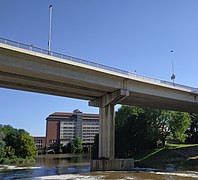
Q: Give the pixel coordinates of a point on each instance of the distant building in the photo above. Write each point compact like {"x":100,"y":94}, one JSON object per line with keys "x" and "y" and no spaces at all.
{"x":40,"y":142}
{"x":62,"y":127}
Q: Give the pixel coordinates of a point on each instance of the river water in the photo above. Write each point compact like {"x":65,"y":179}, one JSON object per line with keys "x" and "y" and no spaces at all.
{"x":77,"y":167}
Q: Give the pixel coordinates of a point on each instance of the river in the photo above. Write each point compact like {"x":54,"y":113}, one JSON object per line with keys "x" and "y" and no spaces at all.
{"x":77,"y":167}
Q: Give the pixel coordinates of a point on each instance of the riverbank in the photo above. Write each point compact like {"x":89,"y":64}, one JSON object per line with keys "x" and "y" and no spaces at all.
{"x":17,"y":162}
{"x":65,"y":166}
{"x":173,"y":157}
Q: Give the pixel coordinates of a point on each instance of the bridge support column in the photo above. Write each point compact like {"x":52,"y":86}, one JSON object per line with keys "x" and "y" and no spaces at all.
{"x":106,"y":159}
{"x":107,"y":132}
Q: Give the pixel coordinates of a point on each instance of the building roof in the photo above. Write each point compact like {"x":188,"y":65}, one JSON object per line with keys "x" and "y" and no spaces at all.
{"x":70,"y":114}
{"x":67,"y":114}
{"x":61,"y":114}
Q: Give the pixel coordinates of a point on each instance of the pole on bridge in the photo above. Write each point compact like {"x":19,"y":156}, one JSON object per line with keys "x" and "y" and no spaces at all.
{"x":173,"y":75}
{"x":50,"y":28}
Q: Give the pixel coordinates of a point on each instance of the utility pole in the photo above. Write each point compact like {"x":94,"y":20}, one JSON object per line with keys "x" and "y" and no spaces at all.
{"x":50,"y":28}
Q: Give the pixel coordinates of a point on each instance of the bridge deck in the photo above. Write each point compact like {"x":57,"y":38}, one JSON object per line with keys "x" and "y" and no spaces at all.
{"x":29,"y":68}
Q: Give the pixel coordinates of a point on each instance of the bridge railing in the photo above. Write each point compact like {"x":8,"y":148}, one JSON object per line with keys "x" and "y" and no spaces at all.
{"x":90,"y":63}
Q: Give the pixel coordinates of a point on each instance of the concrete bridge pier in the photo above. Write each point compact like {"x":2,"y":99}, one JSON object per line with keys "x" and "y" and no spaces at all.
{"x":106,"y":159}
{"x":107,"y":132}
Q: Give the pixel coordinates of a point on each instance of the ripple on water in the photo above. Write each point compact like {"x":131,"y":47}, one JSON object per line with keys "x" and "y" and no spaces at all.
{"x":70,"y":176}
{"x":82,"y":172}
{"x":190,"y":174}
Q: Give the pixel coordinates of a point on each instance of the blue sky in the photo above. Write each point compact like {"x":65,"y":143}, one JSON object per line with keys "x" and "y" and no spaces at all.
{"x":134,"y":35}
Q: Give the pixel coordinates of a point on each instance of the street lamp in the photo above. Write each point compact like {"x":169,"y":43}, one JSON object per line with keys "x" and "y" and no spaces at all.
{"x":50,"y":28}
{"x":173,"y":75}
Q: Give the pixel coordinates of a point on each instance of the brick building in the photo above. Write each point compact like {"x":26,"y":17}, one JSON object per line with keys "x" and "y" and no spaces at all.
{"x":40,"y":142}
{"x":62,"y":127}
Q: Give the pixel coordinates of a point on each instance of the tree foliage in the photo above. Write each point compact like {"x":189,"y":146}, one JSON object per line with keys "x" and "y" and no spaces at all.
{"x":27,"y":146}
{"x":179,"y":124}
{"x":132,"y":131}
{"x":193,"y":130}
{"x":141,"y":128}
{"x":76,"y":145}
{"x":18,"y":143}
{"x":2,"y":144}
{"x":158,"y":121}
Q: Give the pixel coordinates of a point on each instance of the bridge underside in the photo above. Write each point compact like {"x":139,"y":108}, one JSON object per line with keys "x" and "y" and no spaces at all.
{"x":35,"y":72}
{"x":25,"y":70}
{"x":51,"y":87}
{"x":40,"y":85}
{"x":149,"y":101}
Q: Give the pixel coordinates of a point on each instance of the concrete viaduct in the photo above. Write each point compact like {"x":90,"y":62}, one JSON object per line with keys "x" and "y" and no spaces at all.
{"x":28,"y":68}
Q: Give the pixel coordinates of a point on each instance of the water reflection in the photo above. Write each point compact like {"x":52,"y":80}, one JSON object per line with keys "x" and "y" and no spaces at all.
{"x":48,"y":165}
{"x":77,"y":167}
{"x":62,"y":160}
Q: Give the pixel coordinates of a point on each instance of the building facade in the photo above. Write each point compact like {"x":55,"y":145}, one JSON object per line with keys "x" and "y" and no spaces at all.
{"x":62,"y":127}
{"x":40,"y":142}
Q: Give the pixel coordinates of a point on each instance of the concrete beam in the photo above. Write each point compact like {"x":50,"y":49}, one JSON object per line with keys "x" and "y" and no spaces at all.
{"x":111,"y":98}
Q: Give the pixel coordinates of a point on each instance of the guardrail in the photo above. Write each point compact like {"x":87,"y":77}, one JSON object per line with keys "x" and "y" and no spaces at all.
{"x":90,"y":63}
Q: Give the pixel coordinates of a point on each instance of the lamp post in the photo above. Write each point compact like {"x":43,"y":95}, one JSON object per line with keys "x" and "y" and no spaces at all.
{"x":50,"y":28}
{"x":173,"y":75}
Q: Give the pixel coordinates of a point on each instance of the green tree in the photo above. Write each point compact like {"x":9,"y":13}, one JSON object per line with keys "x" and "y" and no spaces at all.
{"x":27,"y":146}
{"x":193,"y":130}
{"x":164,"y":127}
{"x":18,"y":142}
{"x":2,"y":144}
{"x":132,"y":131}
{"x":179,"y":124}
{"x":76,"y":145}
{"x":67,"y":148}
{"x":140,"y":128}
{"x":12,"y":137}
{"x":9,"y":152}
{"x":159,"y":124}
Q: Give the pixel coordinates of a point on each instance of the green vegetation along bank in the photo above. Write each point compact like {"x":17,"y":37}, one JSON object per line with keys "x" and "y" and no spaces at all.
{"x":16,"y":146}
{"x":172,"y":157}
{"x":141,"y":129}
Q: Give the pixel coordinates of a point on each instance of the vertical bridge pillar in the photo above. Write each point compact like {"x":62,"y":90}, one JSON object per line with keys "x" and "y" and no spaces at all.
{"x":107,"y":132}
{"x":106,"y":160}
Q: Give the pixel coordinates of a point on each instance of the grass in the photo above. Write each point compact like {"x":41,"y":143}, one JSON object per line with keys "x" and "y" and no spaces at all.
{"x":177,"y":154}
{"x":147,"y":154}
{"x":180,"y":145}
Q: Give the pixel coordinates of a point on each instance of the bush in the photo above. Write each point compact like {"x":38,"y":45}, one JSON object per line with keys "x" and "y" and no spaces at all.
{"x":13,"y":161}
{"x":5,"y":161}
